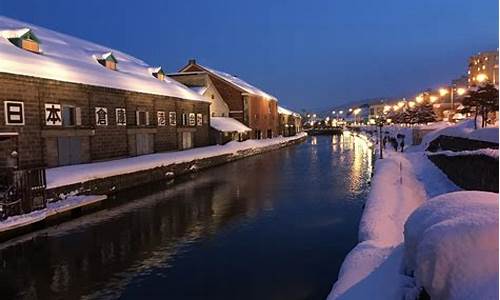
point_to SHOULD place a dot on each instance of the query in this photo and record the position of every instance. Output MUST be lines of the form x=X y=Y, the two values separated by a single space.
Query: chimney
x=192 y=61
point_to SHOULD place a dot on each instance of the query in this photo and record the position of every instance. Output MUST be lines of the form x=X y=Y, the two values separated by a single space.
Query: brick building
x=67 y=101
x=290 y=123
x=247 y=104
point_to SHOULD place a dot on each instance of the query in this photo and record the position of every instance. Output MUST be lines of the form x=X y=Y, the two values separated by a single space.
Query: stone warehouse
x=290 y=122
x=246 y=103
x=67 y=101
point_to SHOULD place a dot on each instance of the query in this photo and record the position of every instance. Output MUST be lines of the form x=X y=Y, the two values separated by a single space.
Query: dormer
x=108 y=60
x=25 y=39
x=158 y=73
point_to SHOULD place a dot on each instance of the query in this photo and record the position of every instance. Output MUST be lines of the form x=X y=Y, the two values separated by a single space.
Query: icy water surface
x=274 y=226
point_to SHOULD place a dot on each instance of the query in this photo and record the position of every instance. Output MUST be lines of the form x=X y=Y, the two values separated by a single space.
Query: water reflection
x=235 y=231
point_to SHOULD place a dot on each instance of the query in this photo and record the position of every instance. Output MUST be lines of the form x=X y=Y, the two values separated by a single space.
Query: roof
x=225 y=124
x=238 y=83
x=199 y=89
x=284 y=111
x=70 y=59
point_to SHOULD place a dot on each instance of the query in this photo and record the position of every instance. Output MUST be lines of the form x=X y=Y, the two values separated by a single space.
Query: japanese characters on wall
x=121 y=117
x=101 y=116
x=162 y=120
x=53 y=114
x=14 y=112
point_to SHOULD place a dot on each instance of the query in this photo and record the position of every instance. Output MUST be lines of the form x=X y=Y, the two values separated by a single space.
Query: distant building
x=483 y=67
x=461 y=82
x=290 y=123
x=67 y=101
x=247 y=103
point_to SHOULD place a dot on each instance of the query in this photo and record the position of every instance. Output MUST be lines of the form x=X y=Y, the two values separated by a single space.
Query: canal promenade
x=377 y=268
x=76 y=187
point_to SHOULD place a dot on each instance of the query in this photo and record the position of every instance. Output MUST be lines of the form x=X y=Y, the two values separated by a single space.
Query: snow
x=199 y=89
x=226 y=124
x=70 y=59
x=451 y=246
x=464 y=129
x=53 y=208
x=284 y=111
x=372 y=270
x=72 y=174
x=493 y=153
x=239 y=83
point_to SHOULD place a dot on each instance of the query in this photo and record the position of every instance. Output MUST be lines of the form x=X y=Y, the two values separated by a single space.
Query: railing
x=22 y=191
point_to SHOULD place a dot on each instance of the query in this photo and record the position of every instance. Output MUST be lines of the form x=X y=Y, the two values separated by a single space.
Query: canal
x=274 y=226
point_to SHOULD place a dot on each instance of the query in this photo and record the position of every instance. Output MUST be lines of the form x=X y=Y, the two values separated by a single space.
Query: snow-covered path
x=372 y=270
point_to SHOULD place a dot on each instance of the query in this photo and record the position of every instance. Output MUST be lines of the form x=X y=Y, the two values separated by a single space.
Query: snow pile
x=225 y=124
x=66 y=175
x=464 y=129
x=493 y=153
x=372 y=268
x=70 y=59
x=239 y=83
x=451 y=246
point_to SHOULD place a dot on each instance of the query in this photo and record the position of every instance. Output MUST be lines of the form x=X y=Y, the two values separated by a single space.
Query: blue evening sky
x=310 y=54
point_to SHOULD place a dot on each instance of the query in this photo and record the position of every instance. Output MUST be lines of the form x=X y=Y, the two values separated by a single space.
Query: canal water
x=274 y=226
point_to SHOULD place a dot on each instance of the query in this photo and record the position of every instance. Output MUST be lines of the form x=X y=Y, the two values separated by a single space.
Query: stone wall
x=452 y=143
x=37 y=142
x=470 y=172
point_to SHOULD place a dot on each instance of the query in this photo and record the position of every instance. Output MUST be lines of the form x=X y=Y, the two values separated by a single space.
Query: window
x=199 y=119
x=184 y=119
x=108 y=60
x=158 y=73
x=192 y=119
x=71 y=116
x=142 y=118
x=25 y=39
x=172 y=116
x=213 y=97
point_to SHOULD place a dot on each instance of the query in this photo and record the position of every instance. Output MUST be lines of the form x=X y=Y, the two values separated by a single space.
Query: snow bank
x=372 y=269
x=66 y=175
x=70 y=59
x=53 y=208
x=284 y=111
x=493 y=153
x=226 y=124
x=451 y=246
x=464 y=129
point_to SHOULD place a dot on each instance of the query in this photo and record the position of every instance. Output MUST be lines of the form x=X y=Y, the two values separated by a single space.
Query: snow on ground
x=71 y=59
x=372 y=270
x=464 y=129
x=66 y=175
x=52 y=208
x=226 y=124
x=451 y=246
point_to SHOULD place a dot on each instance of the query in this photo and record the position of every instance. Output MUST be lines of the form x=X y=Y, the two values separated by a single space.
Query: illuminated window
x=108 y=60
x=158 y=73
x=25 y=39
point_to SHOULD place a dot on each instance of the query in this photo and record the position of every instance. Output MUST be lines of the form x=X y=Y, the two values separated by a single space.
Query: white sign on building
x=53 y=114
x=101 y=116
x=162 y=118
x=14 y=112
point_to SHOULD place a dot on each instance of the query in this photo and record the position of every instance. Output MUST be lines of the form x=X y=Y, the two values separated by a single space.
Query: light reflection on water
x=275 y=226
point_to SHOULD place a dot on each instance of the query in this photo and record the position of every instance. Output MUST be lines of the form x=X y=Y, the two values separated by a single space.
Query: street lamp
x=443 y=91
x=461 y=91
x=419 y=98
x=433 y=98
x=481 y=77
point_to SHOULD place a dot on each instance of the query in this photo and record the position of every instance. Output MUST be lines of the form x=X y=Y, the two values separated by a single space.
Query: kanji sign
x=121 y=117
x=192 y=119
x=172 y=116
x=14 y=112
x=199 y=119
x=101 y=116
x=162 y=119
x=53 y=114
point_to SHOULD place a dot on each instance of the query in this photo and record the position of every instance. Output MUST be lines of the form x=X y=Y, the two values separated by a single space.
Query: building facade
x=483 y=67
x=290 y=123
x=60 y=104
x=247 y=104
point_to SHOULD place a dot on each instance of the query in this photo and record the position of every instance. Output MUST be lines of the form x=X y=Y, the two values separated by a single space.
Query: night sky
x=310 y=54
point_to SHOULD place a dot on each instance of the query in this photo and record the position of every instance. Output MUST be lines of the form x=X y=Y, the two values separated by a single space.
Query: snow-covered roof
x=284 y=111
x=225 y=124
x=199 y=89
x=238 y=83
x=70 y=59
